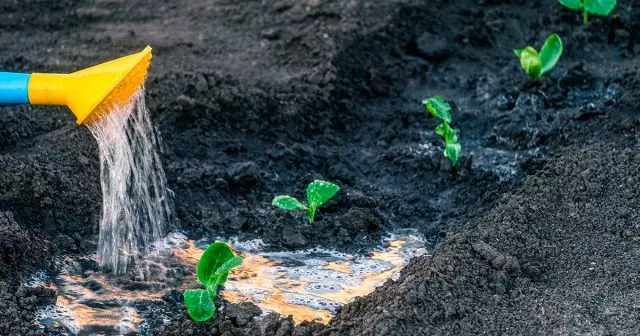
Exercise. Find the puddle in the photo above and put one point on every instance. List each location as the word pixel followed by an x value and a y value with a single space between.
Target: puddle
pixel 504 163
pixel 310 284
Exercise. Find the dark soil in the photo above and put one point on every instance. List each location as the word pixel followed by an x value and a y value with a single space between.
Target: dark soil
pixel 535 229
pixel 555 256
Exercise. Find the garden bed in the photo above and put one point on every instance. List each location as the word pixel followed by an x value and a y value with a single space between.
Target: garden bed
pixel 534 232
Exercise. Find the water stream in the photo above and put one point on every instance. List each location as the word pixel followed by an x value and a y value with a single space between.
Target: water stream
pixel 135 208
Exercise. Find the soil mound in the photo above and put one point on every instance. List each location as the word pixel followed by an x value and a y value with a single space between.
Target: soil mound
pixel 555 256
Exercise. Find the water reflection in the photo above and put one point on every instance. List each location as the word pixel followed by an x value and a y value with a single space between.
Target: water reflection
pixel 309 285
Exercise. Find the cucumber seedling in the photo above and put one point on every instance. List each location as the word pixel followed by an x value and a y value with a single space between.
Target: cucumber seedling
pixel 318 193
pixel 441 110
pixel 536 65
pixel 595 7
pixel 212 270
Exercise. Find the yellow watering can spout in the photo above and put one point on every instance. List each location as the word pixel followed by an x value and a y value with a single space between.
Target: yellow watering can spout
pixel 89 93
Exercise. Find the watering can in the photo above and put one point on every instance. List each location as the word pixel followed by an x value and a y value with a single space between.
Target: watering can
pixel 89 93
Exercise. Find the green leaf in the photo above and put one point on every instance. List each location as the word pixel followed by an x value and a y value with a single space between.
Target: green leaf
pixel 220 277
pixel 216 255
pixel 517 52
pixel 199 304
pixel 450 135
pixel 319 192
pixel 230 264
pixel 288 203
pixel 452 151
pixel 551 52
pixel 438 108
pixel 600 7
pixel 572 4
pixel 530 62
pixel 212 270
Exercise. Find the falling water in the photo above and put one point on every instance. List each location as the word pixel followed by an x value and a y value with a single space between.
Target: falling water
pixel 135 208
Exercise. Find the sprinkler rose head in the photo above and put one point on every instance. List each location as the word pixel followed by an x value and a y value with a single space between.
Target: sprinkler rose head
pixel 89 93
pixel 94 91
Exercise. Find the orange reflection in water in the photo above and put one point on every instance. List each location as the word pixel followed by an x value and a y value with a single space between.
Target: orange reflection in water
pixel 253 282
pixel 340 267
pixel 276 286
pixel 309 285
pixel 84 306
pixel 189 254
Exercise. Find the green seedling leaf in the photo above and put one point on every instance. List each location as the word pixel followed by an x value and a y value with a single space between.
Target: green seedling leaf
pixel 199 304
pixel 450 135
pixel 216 255
pixel 572 4
pixel 452 152
pixel 288 203
pixel 595 7
pixel 536 65
pixel 230 264
pixel 531 63
pixel 599 7
pixel 518 52
pixel 438 108
pixel 212 270
pixel 319 192
pixel 551 52
pixel 220 277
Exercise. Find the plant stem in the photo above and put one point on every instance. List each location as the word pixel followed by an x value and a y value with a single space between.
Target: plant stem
pixel 311 213
pixel 585 16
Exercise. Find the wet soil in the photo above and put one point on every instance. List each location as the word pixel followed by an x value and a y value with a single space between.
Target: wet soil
pixel 533 233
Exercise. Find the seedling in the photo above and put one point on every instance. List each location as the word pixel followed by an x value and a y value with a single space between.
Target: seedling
pixel 441 110
pixel 212 270
pixel 536 65
pixel 595 7
pixel 318 193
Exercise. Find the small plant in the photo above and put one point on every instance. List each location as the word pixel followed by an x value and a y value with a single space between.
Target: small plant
pixel 536 65
pixel 212 270
pixel 441 110
pixel 318 193
pixel 595 7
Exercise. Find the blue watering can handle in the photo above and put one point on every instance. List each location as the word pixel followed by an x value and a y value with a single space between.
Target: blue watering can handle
pixel 14 88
